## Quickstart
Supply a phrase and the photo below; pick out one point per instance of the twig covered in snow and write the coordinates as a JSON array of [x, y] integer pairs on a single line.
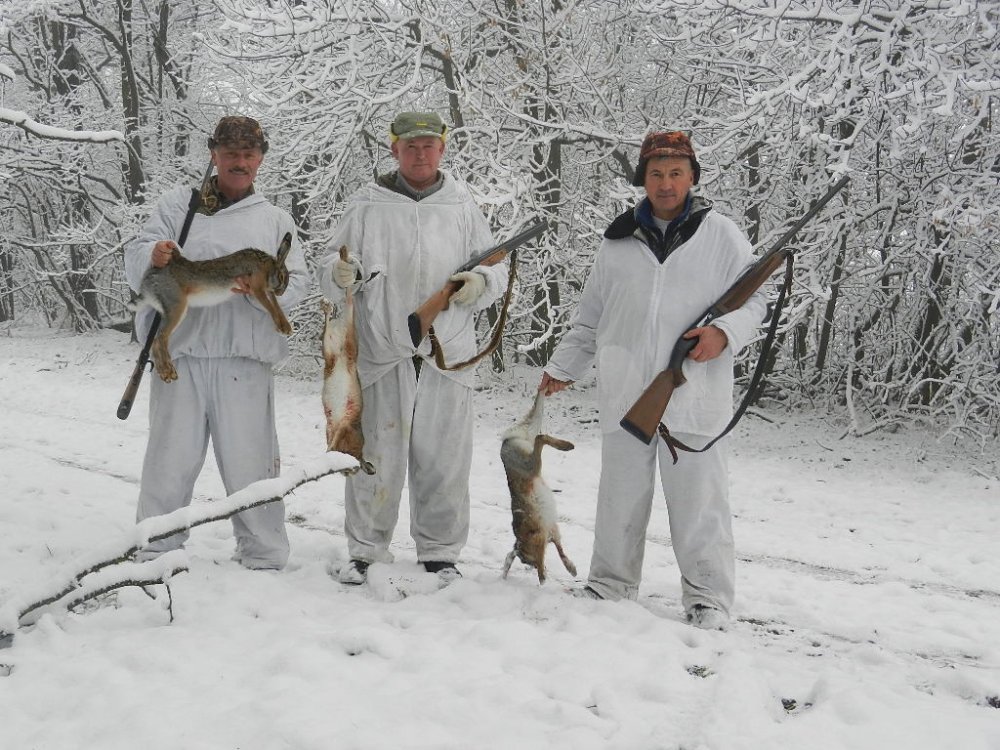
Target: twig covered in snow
[[149, 573], [76, 590], [32, 127]]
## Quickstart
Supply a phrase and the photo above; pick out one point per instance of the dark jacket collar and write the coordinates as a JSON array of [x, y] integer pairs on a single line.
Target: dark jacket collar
[[638, 222], [397, 183]]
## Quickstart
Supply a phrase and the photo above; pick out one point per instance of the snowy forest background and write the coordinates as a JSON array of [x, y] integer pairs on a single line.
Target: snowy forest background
[[893, 314]]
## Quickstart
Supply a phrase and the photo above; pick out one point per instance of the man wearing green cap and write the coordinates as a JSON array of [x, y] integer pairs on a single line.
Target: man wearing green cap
[[223, 354], [406, 233], [661, 266]]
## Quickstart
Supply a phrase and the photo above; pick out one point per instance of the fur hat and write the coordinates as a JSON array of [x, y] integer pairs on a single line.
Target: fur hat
[[237, 131], [666, 143]]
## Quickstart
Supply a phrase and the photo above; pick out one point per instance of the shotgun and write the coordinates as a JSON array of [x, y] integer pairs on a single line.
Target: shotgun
[[643, 419], [132, 388], [422, 318]]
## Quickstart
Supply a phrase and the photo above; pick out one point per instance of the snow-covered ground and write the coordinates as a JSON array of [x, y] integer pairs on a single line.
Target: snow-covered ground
[[868, 596]]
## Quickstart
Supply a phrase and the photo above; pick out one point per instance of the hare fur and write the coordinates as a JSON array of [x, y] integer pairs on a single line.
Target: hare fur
[[184, 283], [342, 402], [532, 504]]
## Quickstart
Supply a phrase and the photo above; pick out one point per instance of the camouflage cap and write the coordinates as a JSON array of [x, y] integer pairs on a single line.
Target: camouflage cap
[[416, 124], [237, 131], [666, 143]]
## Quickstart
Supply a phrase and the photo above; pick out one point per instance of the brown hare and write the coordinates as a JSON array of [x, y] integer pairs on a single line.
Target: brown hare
[[341, 386], [531, 501], [184, 283]]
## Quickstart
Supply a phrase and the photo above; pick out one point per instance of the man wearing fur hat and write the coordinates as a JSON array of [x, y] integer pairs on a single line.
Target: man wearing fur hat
[[223, 354], [406, 233], [660, 266]]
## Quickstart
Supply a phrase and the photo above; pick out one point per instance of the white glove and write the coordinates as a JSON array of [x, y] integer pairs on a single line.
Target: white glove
[[345, 272], [472, 289]]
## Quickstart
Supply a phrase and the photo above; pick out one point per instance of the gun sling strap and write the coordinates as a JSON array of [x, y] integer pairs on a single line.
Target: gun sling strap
[[497, 334], [673, 444]]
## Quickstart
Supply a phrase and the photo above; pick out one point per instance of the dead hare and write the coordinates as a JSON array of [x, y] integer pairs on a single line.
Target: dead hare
[[342, 401], [532, 504], [184, 283]]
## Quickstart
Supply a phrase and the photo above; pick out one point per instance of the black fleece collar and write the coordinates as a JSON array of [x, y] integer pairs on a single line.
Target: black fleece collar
[[630, 224]]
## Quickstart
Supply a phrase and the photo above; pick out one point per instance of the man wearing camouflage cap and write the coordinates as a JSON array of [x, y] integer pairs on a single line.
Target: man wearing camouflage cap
[[406, 233], [224, 354], [660, 266]]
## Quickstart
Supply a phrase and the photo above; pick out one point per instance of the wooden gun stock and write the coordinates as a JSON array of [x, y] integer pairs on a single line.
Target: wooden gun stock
[[128, 398], [420, 321], [643, 419]]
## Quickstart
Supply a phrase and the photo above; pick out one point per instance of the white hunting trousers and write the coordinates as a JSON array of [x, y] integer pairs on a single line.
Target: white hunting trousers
[[418, 432], [697, 494], [231, 401]]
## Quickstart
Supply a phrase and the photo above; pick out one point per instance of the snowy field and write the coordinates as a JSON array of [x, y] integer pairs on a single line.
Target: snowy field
[[867, 609]]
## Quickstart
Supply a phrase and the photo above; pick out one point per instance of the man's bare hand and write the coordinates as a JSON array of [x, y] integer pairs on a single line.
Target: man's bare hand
[[241, 285], [550, 385], [711, 342], [162, 253]]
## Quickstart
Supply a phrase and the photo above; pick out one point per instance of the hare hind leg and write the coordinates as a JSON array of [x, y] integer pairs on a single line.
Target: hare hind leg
[[173, 315], [258, 283]]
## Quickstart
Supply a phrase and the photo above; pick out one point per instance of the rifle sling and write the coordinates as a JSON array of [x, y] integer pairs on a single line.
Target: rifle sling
[[497, 335], [673, 444]]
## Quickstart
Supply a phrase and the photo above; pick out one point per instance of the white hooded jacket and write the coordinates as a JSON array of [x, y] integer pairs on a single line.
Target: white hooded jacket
[[407, 250], [239, 327], [634, 309]]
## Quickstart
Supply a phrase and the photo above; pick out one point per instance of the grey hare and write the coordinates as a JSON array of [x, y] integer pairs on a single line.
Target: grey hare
[[341, 387], [184, 283], [532, 504]]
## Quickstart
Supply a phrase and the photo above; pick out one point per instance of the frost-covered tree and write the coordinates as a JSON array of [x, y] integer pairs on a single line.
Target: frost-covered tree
[[894, 308], [89, 67]]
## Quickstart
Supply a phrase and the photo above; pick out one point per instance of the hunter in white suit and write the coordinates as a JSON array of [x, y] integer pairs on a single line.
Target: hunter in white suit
[[406, 235], [660, 267]]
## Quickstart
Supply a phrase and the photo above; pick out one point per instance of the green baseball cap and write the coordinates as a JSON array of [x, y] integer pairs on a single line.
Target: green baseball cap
[[416, 124]]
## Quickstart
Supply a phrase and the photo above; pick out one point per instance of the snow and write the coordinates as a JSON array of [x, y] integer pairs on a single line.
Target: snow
[[867, 595]]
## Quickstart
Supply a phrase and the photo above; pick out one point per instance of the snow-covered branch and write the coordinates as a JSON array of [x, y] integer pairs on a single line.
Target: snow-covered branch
[[21, 120], [113, 567]]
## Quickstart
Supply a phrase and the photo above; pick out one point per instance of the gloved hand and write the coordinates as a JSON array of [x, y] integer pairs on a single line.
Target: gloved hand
[[345, 272], [472, 289]]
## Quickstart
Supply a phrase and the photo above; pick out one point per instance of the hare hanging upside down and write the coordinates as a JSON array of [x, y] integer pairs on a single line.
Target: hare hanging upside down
[[341, 387], [184, 283], [531, 502]]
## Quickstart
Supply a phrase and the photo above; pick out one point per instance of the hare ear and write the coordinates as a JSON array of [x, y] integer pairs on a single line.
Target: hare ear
[[285, 247]]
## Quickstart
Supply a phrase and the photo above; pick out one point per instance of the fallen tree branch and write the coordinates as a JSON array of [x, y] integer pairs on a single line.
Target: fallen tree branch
[[149, 573], [27, 609]]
